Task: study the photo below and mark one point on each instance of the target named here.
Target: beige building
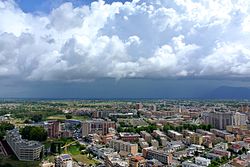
(240, 119)
(146, 136)
(162, 156)
(119, 145)
(175, 135)
(97, 126)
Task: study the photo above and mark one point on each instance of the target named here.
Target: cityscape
(125, 133)
(124, 83)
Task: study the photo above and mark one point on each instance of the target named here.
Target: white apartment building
(24, 150)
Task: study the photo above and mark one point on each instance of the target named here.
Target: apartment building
(129, 137)
(24, 150)
(64, 160)
(163, 157)
(97, 126)
(201, 161)
(113, 159)
(225, 135)
(137, 161)
(175, 135)
(119, 145)
(220, 120)
(53, 129)
(145, 135)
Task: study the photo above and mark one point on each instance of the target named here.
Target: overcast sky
(78, 48)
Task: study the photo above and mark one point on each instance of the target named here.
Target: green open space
(62, 117)
(12, 161)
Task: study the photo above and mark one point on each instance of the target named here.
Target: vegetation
(34, 133)
(4, 126)
(37, 118)
(14, 162)
(191, 127)
(68, 116)
(131, 129)
(218, 162)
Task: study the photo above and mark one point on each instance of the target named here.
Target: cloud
(142, 38)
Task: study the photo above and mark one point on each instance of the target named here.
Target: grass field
(13, 162)
(62, 117)
(84, 159)
(74, 151)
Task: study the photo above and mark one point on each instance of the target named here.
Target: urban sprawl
(110, 133)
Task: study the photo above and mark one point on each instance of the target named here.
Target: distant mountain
(227, 92)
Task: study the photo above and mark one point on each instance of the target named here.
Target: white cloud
(135, 39)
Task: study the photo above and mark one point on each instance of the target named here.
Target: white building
(202, 161)
(64, 160)
(189, 164)
(25, 150)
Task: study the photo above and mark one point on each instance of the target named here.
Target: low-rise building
(64, 160)
(163, 157)
(221, 152)
(158, 133)
(223, 134)
(143, 143)
(146, 136)
(129, 137)
(115, 160)
(189, 164)
(137, 161)
(175, 135)
(201, 161)
(155, 143)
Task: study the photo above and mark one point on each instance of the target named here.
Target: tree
(34, 133)
(4, 126)
(244, 150)
(68, 116)
(37, 118)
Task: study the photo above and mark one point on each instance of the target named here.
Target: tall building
(119, 145)
(24, 150)
(64, 160)
(138, 106)
(96, 126)
(53, 129)
(218, 120)
(240, 119)
(153, 107)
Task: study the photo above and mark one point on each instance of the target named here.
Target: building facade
(64, 160)
(163, 157)
(218, 120)
(119, 145)
(24, 150)
(97, 126)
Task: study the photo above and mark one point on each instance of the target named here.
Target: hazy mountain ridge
(228, 92)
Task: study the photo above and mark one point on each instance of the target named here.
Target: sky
(123, 49)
